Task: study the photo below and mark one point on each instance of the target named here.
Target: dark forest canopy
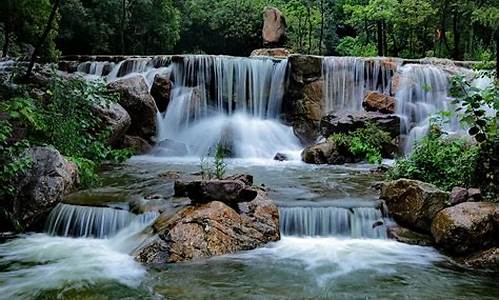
(460, 29)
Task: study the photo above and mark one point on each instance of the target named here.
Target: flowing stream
(334, 241)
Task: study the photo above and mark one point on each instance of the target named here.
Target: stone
(116, 120)
(375, 101)
(413, 203)
(230, 192)
(407, 236)
(396, 79)
(344, 122)
(458, 195)
(466, 227)
(328, 153)
(485, 260)
(41, 187)
(274, 29)
(140, 105)
(136, 143)
(210, 229)
(161, 91)
(280, 157)
(474, 194)
(245, 178)
(270, 52)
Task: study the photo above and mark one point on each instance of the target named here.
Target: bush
(440, 160)
(366, 142)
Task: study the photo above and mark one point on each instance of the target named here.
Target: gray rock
(116, 119)
(458, 195)
(344, 122)
(161, 91)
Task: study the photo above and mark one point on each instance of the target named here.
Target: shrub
(366, 142)
(440, 160)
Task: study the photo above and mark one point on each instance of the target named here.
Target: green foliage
(350, 46)
(442, 161)
(218, 167)
(366, 142)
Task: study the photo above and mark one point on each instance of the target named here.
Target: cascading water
(88, 221)
(422, 93)
(229, 100)
(347, 78)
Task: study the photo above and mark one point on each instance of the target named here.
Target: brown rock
(274, 29)
(137, 144)
(328, 153)
(161, 91)
(116, 119)
(375, 101)
(486, 259)
(413, 203)
(458, 195)
(230, 192)
(211, 229)
(405, 235)
(270, 52)
(466, 227)
(474, 194)
(344, 122)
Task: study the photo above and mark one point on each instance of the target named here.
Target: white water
(37, 262)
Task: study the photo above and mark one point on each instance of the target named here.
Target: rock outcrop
(270, 52)
(376, 101)
(116, 119)
(137, 144)
(161, 91)
(328, 153)
(274, 29)
(413, 203)
(210, 229)
(344, 122)
(40, 188)
(466, 227)
(140, 105)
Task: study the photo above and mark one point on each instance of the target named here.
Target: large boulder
(328, 153)
(413, 203)
(116, 119)
(161, 91)
(41, 187)
(344, 122)
(274, 29)
(485, 259)
(270, 52)
(230, 192)
(140, 105)
(209, 229)
(137, 144)
(376, 101)
(466, 227)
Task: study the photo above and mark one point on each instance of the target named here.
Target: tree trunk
(320, 44)
(384, 37)
(456, 38)
(43, 37)
(309, 22)
(6, 42)
(122, 27)
(380, 45)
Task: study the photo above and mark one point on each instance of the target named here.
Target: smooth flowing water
(343, 257)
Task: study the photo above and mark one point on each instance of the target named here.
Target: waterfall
(229, 100)
(347, 78)
(422, 93)
(356, 222)
(87, 221)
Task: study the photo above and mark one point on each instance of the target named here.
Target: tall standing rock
(274, 29)
(135, 98)
(161, 91)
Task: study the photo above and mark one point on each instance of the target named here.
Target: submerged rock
(41, 187)
(135, 98)
(212, 228)
(344, 122)
(413, 203)
(137, 144)
(485, 259)
(407, 236)
(280, 157)
(274, 29)
(376, 101)
(466, 227)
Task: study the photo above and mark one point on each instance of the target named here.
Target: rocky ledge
(225, 216)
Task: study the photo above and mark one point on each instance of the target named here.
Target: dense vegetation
(62, 116)
(448, 161)
(462, 29)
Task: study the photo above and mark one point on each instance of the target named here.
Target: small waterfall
(422, 93)
(347, 78)
(356, 222)
(87, 221)
(95, 68)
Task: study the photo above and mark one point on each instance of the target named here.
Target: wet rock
(458, 195)
(211, 229)
(137, 144)
(140, 105)
(328, 153)
(344, 122)
(375, 101)
(305, 68)
(485, 260)
(396, 79)
(41, 187)
(161, 91)
(407, 236)
(230, 192)
(245, 178)
(270, 52)
(280, 157)
(474, 194)
(170, 174)
(170, 147)
(116, 119)
(466, 227)
(274, 29)
(413, 203)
